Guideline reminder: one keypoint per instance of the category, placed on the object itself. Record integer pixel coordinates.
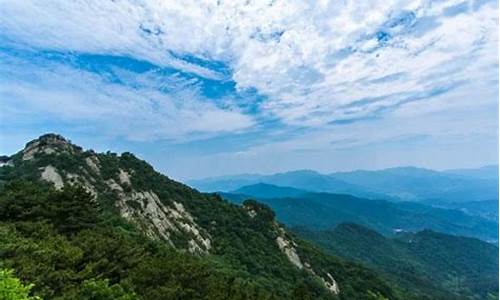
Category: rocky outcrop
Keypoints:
(157, 220)
(250, 211)
(82, 181)
(93, 163)
(124, 177)
(331, 284)
(288, 247)
(48, 144)
(51, 175)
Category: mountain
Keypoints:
(84, 225)
(395, 184)
(417, 184)
(302, 180)
(263, 190)
(225, 183)
(486, 172)
(425, 263)
(324, 211)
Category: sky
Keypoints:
(208, 88)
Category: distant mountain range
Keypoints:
(267, 191)
(486, 172)
(395, 184)
(324, 211)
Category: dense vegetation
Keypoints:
(427, 263)
(55, 241)
(69, 244)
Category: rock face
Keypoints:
(156, 219)
(288, 247)
(93, 163)
(50, 174)
(331, 284)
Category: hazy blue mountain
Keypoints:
(264, 190)
(395, 184)
(426, 262)
(323, 211)
(486, 172)
(417, 184)
(224, 183)
(301, 179)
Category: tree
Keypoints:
(11, 288)
(72, 209)
(101, 290)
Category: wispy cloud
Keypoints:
(309, 58)
(138, 106)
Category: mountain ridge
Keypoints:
(264, 190)
(395, 184)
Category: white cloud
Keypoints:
(314, 60)
(138, 111)
(459, 129)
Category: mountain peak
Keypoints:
(49, 143)
(50, 138)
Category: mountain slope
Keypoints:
(425, 262)
(487, 209)
(325, 211)
(245, 241)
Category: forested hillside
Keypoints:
(82, 225)
(426, 263)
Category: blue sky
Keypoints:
(207, 88)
